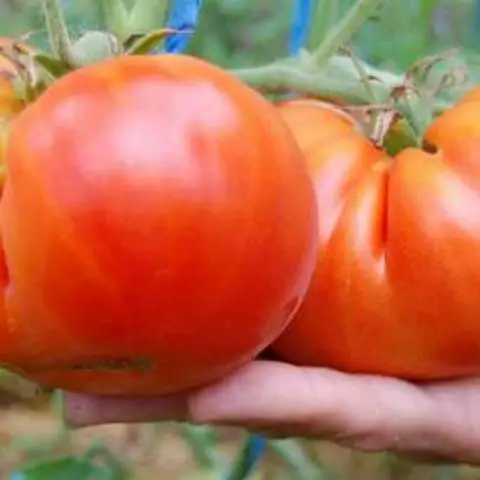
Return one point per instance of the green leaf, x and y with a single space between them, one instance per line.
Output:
18 386
66 468
93 47
146 43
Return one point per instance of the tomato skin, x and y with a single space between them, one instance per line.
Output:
159 228
397 281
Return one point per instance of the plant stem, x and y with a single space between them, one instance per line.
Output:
57 31
201 442
115 17
340 34
322 20
147 15
297 461
339 79
316 76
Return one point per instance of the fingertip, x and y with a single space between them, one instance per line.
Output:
80 410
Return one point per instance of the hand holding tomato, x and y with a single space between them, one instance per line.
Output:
438 421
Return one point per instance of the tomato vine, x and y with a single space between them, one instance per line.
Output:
327 69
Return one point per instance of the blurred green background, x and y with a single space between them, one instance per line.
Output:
232 33
248 32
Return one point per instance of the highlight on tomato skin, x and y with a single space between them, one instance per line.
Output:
395 289
159 228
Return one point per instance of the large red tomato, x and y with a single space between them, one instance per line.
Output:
159 228
396 289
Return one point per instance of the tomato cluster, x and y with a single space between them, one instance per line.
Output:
162 224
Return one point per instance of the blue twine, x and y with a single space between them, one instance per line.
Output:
250 453
255 449
302 14
183 17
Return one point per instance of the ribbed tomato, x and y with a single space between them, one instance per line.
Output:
396 289
159 227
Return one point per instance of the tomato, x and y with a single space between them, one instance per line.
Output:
396 289
159 227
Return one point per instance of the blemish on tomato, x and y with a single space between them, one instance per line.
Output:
429 148
125 364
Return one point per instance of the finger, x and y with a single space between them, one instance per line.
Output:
457 427
364 412
84 410
369 413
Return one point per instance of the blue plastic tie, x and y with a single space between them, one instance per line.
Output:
302 14
183 17
256 447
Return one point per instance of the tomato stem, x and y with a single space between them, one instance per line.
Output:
323 17
399 136
59 37
340 78
330 75
341 33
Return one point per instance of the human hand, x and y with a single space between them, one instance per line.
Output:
437 421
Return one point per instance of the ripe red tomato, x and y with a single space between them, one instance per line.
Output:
159 227
396 289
